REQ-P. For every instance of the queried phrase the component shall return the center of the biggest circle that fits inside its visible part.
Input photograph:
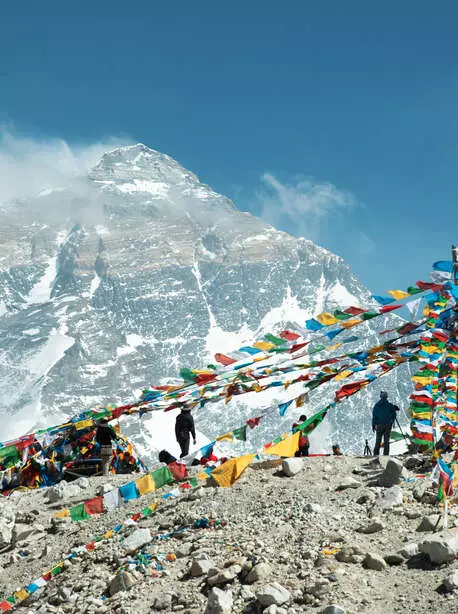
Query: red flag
(387, 308)
(354, 311)
(289, 335)
(252, 422)
(94, 506)
(224, 360)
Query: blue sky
(336, 120)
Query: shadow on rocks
(420, 561)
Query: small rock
(333, 609)
(291, 466)
(137, 539)
(419, 489)
(183, 550)
(82, 483)
(163, 602)
(394, 559)
(104, 488)
(350, 554)
(273, 594)
(121, 582)
(219, 602)
(199, 567)
(373, 561)
(313, 507)
(409, 550)
(348, 482)
(225, 576)
(62, 491)
(261, 571)
(412, 514)
(431, 523)
(373, 527)
(388, 499)
(451, 581)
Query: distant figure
(445, 443)
(304, 443)
(126, 463)
(184, 427)
(336, 450)
(166, 457)
(104, 435)
(383, 417)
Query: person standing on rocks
(104, 435)
(184, 427)
(383, 417)
(304, 443)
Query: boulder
(137, 539)
(373, 561)
(348, 482)
(219, 602)
(419, 489)
(183, 550)
(431, 523)
(199, 567)
(440, 549)
(451, 581)
(333, 609)
(291, 466)
(82, 483)
(260, 572)
(393, 474)
(62, 492)
(104, 488)
(273, 594)
(121, 582)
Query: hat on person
(384, 395)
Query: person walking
(104, 435)
(184, 427)
(383, 417)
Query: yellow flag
(287, 448)
(263, 345)
(300, 400)
(203, 475)
(83, 424)
(61, 514)
(327, 319)
(145, 484)
(231, 470)
(343, 375)
(398, 294)
(350, 323)
(225, 437)
(21, 594)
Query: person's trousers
(382, 430)
(183, 441)
(304, 451)
(106, 453)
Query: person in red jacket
(304, 443)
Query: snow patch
(158, 189)
(52, 351)
(341, 295)
(41, 291)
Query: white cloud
(303, 205)
(31, 166)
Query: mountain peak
(139, 162)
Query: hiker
(304, 443)
(126, 463)
(184, 427)
(104, 435)
(336, 450)
(383, 416)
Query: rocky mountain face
(132, 272)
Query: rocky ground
(336, 535)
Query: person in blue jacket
(383, 417)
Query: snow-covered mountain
(132, 272)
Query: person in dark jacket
(104, 435)
(383, 417)
(166, 457)
(184, 427)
